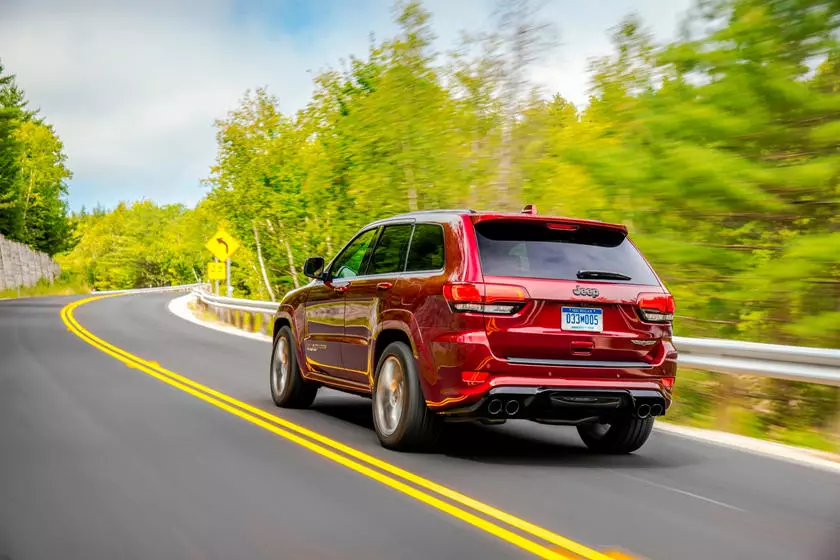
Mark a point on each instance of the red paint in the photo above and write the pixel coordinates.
(462, 355)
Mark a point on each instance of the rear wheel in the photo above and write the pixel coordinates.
(400, 415)
(623, 435)
(288, 388)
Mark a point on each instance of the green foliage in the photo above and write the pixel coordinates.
(65, 285)
(33, 175)
(140, 245)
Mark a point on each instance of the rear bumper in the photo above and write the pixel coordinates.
(558, 405)
(450, 389)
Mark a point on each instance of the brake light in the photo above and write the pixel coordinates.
(563, 227)
(656, 308)
(494, 299)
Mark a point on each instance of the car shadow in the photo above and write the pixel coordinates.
(520, 443)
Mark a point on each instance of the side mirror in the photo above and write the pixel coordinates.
(314, 267)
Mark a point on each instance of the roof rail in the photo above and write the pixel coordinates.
(441, 211)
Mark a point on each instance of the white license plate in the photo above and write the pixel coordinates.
(589, 319)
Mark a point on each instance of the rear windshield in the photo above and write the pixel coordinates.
(533, 250)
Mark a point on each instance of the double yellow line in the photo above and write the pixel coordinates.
(469, 510)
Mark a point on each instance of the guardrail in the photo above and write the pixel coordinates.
(239, 312)
(734, 357)
(182, 288)
(795, 363)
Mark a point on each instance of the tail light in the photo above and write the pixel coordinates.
(492, 299)
(656, 308)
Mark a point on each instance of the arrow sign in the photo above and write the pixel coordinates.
(222, 245)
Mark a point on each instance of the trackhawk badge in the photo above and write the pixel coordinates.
(593, 292)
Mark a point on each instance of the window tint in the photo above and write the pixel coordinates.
(426, 251)
(533, 250)
(349, 262)
(389, 254)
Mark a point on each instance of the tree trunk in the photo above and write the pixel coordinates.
(262, 262)
(292, 268)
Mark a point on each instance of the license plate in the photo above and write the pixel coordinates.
(589, 319)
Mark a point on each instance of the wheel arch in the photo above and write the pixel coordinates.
(384, 337)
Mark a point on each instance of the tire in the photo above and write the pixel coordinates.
(401, 419)
(623, 436)
(288, 388)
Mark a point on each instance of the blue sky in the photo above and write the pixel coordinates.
(133, 88)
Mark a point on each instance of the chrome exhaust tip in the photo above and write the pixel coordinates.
(643, 411)
(656, 410)
(494, 407)
(512, 407)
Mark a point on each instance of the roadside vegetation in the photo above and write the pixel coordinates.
(65, 285)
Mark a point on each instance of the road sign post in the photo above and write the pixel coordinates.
(216, 282)
(229, 287)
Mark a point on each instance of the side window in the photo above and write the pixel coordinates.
(348, 263)
(389, 254)
(426, 251)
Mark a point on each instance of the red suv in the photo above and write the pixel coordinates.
(457, 315)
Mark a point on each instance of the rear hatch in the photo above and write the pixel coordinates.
(590, 298)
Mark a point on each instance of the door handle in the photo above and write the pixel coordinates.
(384, 286)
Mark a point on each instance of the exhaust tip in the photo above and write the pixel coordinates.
(512, 407)
(643, 411)
(656, 410)
(494, 407)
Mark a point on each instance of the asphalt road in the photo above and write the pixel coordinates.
(101, 460)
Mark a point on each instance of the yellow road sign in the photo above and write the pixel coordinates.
(216, 271)
(222, 245)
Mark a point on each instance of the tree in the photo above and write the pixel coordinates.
(12, 112)
(33, 175)
(42, 176)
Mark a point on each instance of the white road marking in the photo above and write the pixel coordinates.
(677, 490)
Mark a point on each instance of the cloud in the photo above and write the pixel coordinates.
(133, 88)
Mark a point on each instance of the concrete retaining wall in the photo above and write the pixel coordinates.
(21, 266)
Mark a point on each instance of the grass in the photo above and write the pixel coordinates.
(64, 286)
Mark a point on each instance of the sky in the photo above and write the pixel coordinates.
(133, 88)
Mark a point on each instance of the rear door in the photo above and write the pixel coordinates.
(369, 295)
(583, 284)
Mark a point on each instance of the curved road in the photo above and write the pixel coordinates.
(102, 460)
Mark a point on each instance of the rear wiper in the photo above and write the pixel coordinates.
(601, 275)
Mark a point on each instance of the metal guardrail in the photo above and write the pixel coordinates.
(796, 363)
(734, 357)
(183, 288)
(233, 310)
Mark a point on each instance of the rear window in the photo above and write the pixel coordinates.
(533, 250)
